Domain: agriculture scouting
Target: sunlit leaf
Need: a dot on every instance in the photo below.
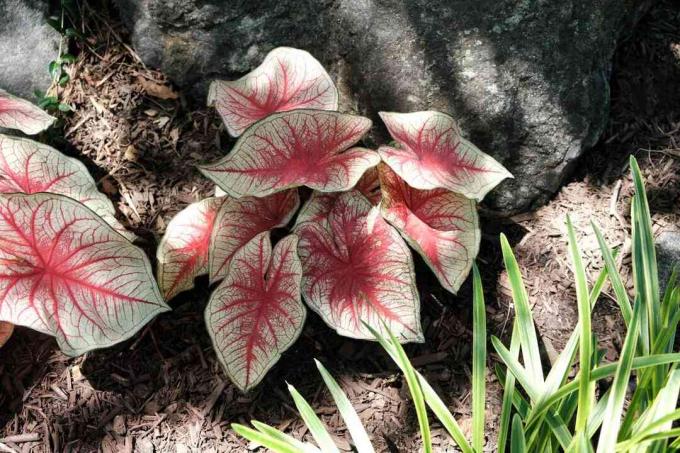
(440, 225)
(391, 344)
(433, 400)
(6, 329)
(586, 393)
(664, 403)
(292, 149)
(277, 444)
(287, 79)
(16, 113)
(183, 252)
(614, 408)
(357, 268)
(432, 155)
(256, 313)
(313, 422)
(273, 433)
(478, 361)
(241, 219)
(66, 273)
(30, 167)
(349, 414)
(523, 319)
(318, 206)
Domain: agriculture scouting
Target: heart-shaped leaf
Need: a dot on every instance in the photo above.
(292, 149)
(318, 206)
(6, 329)
(17, 113)
(357, 268)
(432, 155)
(183, 252)
(287, 79)
(31, 167)
(442, 226)
(67, 273)
(241, 219)
(256, 313)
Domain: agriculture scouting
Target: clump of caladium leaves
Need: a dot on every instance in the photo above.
(346, 256)
(67, 266)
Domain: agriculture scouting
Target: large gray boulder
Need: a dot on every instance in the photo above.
(527, 79)
(27, 45)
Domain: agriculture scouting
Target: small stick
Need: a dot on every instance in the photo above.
(21, 438)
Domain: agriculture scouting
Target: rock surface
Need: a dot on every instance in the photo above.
(27, 45)
(667, 255)
(527, 79)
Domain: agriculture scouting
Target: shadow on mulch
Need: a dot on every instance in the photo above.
(169, 368)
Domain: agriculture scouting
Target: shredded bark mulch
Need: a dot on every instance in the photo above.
(164, 391)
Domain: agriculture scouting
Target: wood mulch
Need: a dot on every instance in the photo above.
(163, 391)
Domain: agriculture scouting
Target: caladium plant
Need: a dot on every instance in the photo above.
(256, 313)
(319, 204)
(183, 252)
(67, 273)
(432, 154)
(287, 79)
(30, 167)
(356, 268)
(348, 257)
(64, 270)
(293, 149)
(440, 225)
(241, 219)
(17, 113)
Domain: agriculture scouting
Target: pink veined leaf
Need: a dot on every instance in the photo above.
(287, 79)
(241, 219)
(17, 113)
(292, 149)
(67, 273)
(440, 225)
(182, 254)
(432, 155)
(256, 313)
(6, 329)
(318, 206)
(356, 268)
(31, 167)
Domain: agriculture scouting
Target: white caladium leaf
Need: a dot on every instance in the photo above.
(256, 313)
(219, 192)
(6, 329)
(183, 252)
(17, 113)
(31, 167)
(356, 268)
(241, 219)
(292, 149)
(318, 206)
(432, 155)
(67, 273)
(288, 79)
(441, 225)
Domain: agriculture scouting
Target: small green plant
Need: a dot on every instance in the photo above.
(64, 24)
(550, 412)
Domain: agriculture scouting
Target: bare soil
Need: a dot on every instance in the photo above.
(163, 390)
